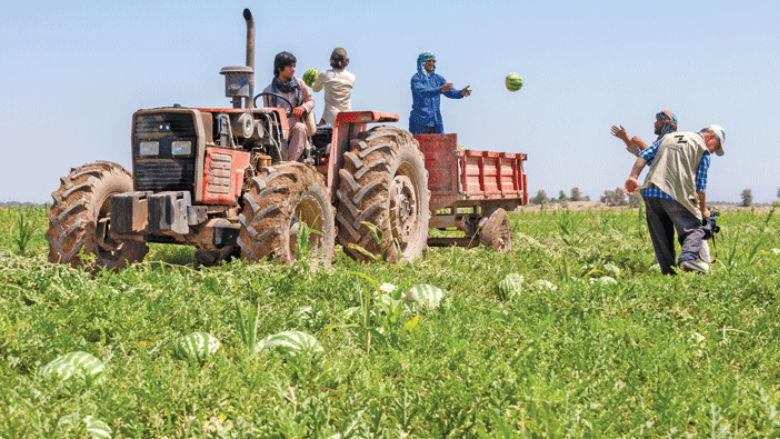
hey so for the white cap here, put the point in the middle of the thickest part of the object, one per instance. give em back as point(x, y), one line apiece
point(721, 134)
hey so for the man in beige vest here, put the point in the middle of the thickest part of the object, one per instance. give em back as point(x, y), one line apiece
point(665, 123)
point(674, 193)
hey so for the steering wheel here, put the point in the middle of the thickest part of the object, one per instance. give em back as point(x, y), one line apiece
point(254, 101)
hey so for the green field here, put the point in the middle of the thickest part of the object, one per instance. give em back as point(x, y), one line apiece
point(647, 356)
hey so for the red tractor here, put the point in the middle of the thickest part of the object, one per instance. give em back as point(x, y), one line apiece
point(213, 178)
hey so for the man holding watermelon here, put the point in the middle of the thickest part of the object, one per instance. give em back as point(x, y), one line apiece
point(427, 87)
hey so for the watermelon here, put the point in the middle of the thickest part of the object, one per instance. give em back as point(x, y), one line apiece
point(387, 288)
point(511, 286)
point(606, 280)
point(75, 363)
point(309, 75)
point(290, 342)
point(612, 270)
point(96, 428)
point(426, 295)
point(196, 347)
point(544, 285)
point(514, 82)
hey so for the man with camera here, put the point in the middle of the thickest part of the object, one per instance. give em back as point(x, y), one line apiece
point(674, 193)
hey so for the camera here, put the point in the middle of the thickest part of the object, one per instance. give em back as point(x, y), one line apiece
point(710, 225)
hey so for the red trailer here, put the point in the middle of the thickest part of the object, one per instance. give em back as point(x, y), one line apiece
point(472, 191)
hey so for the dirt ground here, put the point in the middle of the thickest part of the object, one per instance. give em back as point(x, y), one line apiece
point(598, 205)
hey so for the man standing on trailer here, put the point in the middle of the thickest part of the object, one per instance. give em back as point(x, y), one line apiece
point(285, 84)
point(674, 193)
point(427, 86)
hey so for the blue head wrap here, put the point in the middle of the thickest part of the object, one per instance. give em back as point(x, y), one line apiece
point(422, 59)
point(670, 122)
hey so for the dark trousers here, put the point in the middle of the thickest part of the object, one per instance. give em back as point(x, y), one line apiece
point(419, 129)
point(663, 218)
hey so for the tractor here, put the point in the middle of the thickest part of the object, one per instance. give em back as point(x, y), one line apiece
point(213, 178)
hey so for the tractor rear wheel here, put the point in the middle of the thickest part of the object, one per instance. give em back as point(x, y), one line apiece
point(384, 182)
point(496, 231)
point(80, 216)
point(282, 203)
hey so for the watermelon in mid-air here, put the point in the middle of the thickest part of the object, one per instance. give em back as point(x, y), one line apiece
point(514, 81)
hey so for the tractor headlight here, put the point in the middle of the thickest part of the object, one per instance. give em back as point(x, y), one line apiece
point(181, 147)
point(149, 148)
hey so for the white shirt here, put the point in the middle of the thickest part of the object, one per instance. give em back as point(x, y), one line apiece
point(338, 92)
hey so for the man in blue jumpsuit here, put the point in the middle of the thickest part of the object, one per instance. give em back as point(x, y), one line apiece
point(427, 85)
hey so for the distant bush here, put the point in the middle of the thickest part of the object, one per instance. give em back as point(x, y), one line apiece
point(747, 198)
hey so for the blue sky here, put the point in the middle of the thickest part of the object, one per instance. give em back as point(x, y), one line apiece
point(74, 72)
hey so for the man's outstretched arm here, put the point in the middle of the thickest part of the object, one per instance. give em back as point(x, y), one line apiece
point(632, 184)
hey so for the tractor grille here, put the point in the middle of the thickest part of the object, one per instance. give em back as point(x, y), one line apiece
point(164, 124)
point(164, 171)
point(164, 175)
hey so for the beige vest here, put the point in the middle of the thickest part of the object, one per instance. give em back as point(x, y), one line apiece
point(674, 168)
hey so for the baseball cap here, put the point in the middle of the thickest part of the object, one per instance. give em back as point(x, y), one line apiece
point(721, 134)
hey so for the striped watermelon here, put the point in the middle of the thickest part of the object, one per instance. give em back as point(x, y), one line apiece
point(426, 295)
point(544, 285)
point(76, 363)
point(96, 428)
point(197, 346)
point(387, 288)
point(309, 75)
point(513, 82)
point(290, 342)
point(511, 286)
point(606, 280)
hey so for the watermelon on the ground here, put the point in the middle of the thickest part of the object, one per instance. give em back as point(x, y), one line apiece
point(309, 75)
point(511, 286)
point(387, 288)
point(197, 346)
point(426, 295)
point(96, 428)
point(544, 285)
point(290, 342)
point(606, 280)
point(77, 363)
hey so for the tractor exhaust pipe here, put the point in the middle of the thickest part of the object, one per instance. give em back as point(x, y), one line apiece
point(250, 54)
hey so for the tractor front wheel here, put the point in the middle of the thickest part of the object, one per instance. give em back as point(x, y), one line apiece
point(79, 219)
point(283, 204)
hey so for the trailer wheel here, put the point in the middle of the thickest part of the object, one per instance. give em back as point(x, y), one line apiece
point(277, 200)
point(496, 231)
point(384, 182)
point(80, 216)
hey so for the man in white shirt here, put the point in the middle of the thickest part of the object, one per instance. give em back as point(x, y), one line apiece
point(338, 84)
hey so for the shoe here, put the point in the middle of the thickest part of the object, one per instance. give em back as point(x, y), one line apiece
point(700, 266)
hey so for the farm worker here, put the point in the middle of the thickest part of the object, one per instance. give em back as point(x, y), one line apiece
point(287, 85)
point(338, 84)
point(674, 193)
point(665, 123)
point(427, 86)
